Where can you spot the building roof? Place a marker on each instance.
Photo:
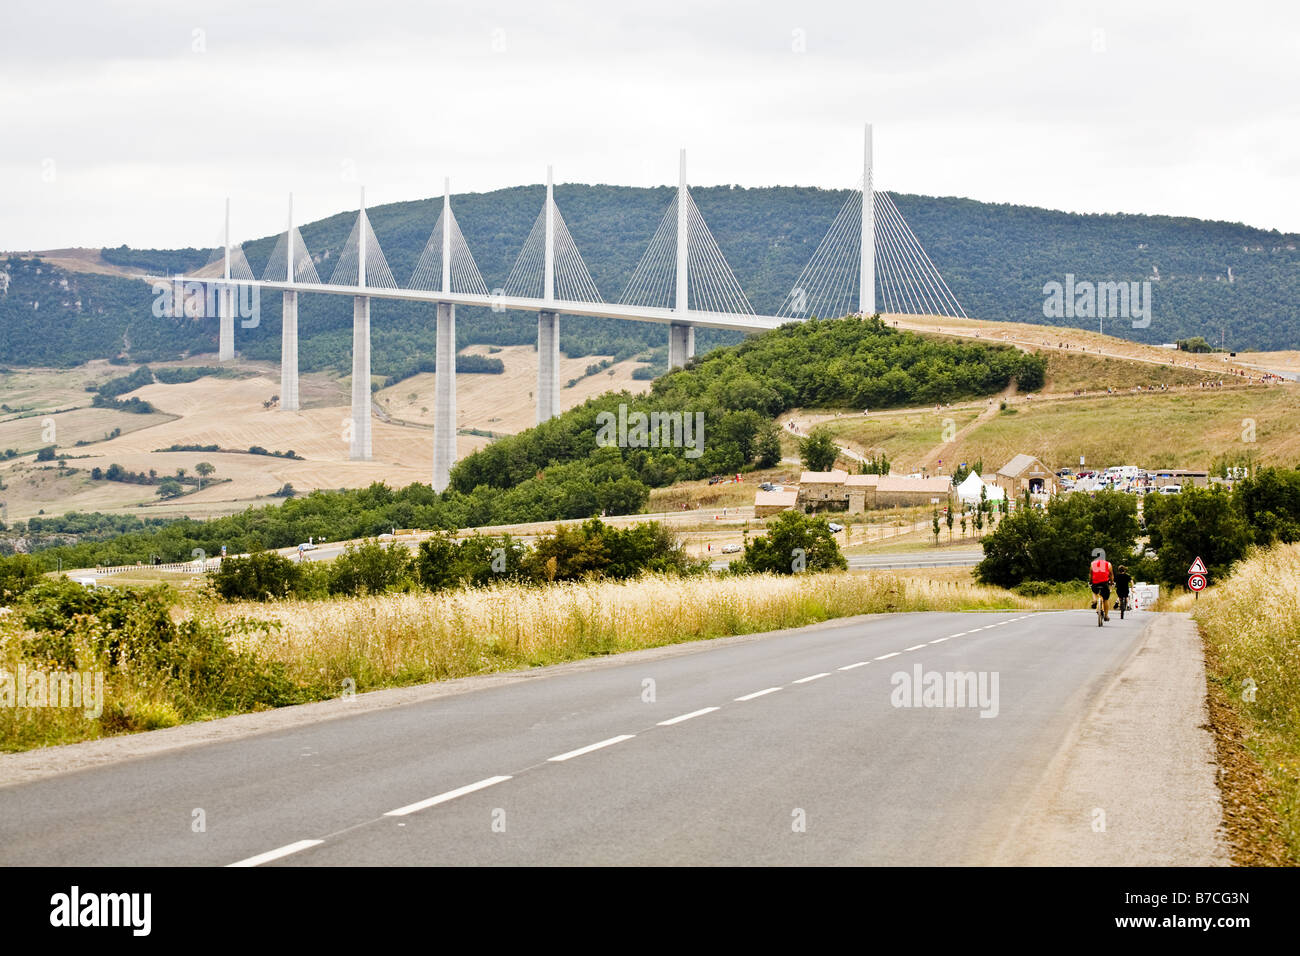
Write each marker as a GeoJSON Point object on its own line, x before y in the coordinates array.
{"type": "Point", "coordinates": [890, 483]}
{"type": "Point", "coordinates": [833, 477]}
{"type": "Point", "coordinates": [861, 481]}
{"type": "Point", "coordinates": [776, 499]}
{"type": "Point", "coordinates": [1016, 466]}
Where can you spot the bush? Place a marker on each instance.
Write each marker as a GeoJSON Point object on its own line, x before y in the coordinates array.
{"type": "Point", "coordinates": [261, 576]}
{"type": "Point", "coordinates": [794, 542]}
{"type": "Point", "coordinates": [18, 575]}
{"type": "Point", "coordinates": [1199, 522]}
{"type": "Point", "coordinates": [46, 453]}
{"type": "Point", "coordinates": [371, 568]}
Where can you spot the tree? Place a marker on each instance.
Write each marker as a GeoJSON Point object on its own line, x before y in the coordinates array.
{"type": "Point", "coordinates": [370, 568]}
{"type": "Point", "coordinates": [170, 488]}
{"type": "Point", "coordinates": [794, 542]}
{"type": "Point", "coordinates": [1270, 503]}
{"type": "Point", "coordinates": [180, 472]}
{"type": "Point", "coordinates": [45, 454]}
{"type": "Point", "coordinates": [261, 576]}
{"type": "Point", "coordinates": [818, 450]}
{"type": "Point", "coordinates": [767, 446]}
{"type": "Point", "coordinates": [948, 521]}
{"type": "Point", "coordinates": [1198, 522]}
{"type": "Point", "coordinates": [204, 469]}
{"type": "Point", "coordinates": [935, 525]}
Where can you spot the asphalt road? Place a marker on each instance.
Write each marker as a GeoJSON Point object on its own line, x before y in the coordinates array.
{"type": "Point", "coordinates": [777, 749]}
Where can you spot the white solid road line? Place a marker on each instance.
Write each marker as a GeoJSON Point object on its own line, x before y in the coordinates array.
{"type": "Point", "coordinates": [759, 693]}
{"type": "Point", "coordinates": [850, 667]}
{"type": "Point", "coordinates": [589, 748]}
{"type": "Point", "coordinates": [804, 680]}
{"type": "Point", "coordinates": [885, 657]}
{"type": "Point", "coordinates": [270, 855]}
{"type": "Point", "coordinates": [939, 640]}
{"type": "Point", "coordinates": [444, 797]}
{"type": "Point", "coordinates": [694, 713]}
{"type": "Point", "coordinates": [960, 634]}
{"type": "Point", "coordinates": [914, 647]}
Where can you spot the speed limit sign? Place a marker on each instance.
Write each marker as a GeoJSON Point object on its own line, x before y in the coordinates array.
{"type": "Point", "coordinates": [1196, 582]}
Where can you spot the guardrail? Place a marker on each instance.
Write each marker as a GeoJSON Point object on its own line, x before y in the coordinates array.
{"type": "Point", "coordinates": [196, 566]}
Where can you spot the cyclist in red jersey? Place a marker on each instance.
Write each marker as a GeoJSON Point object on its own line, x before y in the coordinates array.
{"type": "Point", "coordinates": [1101, 576]}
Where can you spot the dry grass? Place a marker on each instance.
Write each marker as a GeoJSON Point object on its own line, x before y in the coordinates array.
{"type": "Point", "coordinates": [1251, 627]}
{"type": "Point", "coordinates": [407, 638]}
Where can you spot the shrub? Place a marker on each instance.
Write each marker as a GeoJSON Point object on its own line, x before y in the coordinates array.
{"type": "Point", "coordinates": [370, 568]}
{"type": "Point", "coordinates": [261, 576]}
{"type": "Point", "coordinates": [794, 542]}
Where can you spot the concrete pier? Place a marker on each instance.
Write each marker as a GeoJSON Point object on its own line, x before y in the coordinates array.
{"type": "Point", "coordinates": [548, 366]}
{"type": "Point", "coordinates": [361, 378]}
{"type": "Point", "coordinates": [681, 344]}
{"type": "Point", "coordinates": [444, 399]}
{"type": "Point", "coordinates": [226, 313]}
{"type": "Point", "coordinates": [289, 354]}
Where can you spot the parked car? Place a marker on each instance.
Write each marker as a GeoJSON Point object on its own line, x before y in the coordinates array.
{"type": "Point", "coordinates": [730, 548]}
{"type": "Point", "coordinates": [767, 486]}
{"type": "Point", "coordinates": [835, 528]}
{"type": "Point", "coordinates": [306, 546]}
{"type": "Point", "coordinates": [1171, 489]}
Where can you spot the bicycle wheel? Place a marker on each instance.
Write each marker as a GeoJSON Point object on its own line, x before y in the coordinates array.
{"type": "Point", "coordinates": [1101, 612]}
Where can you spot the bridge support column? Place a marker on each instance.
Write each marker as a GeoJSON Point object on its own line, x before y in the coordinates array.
{"type": "Point", "coordinates": [681, 344]}
{"type": "Point", "coordinates": [289, 354]}
{"type": "Point", "coordinates": [360, 450]}
{"type": "Point", "coordinates": [444, 398]}
{"type": "Point", "coordinates": [226, 315]}
{"type": "Point", "coordinates": [548, 366]}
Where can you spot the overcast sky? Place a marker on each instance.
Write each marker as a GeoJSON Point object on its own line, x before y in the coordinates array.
{"type": "Point", "coordinates": [130, 121]}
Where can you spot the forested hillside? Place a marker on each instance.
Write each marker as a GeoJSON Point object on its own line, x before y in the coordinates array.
{"type": "Point", "coordinates": [996, 258]}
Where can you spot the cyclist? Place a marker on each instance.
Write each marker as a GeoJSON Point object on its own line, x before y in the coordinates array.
{"type": "Point", "coordinates": [1101, 575]}
{"type": "Point", "coordinates": [1122, 582]}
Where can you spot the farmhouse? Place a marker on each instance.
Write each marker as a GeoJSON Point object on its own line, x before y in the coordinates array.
{"type": "Point", "coordinates": [1025, 473]}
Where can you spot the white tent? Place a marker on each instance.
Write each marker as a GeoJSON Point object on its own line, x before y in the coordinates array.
{"type": "Point", "coordinates": [969, 490]}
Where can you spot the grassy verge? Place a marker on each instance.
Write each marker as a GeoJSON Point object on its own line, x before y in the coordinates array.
{"type": "Point", "coordinates": [1251, 627]}
{"type": "Point", "coordinates": [219, 659]}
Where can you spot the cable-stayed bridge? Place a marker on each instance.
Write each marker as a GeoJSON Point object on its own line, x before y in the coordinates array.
{"type": "Point", "coordinates": [868, 261]}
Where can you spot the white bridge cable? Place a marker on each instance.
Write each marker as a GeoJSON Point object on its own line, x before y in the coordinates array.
{"type": "Point", "coordinates": [711, 285]}
{"type": "Point", "coordinates": [304, 270]}
{"type": "Point", "coordinates": [928, 268]}
{"type": "Point", "coordinates": [907, 279]}
{"type": "Point", "coordinates": [464, 273]}
{"type": "Point", "coordinates": [346, 272]}
{"type": "Point", "coordinates": [239, 267]}
{"type": "Point", "coordinates": [527, 279]}
{"type": "Point", "coordinates": [654, 278]}
{"type": "Point", "coordinates": [719, 291]}
{"type": "Point", "coordinates": [827, 284]}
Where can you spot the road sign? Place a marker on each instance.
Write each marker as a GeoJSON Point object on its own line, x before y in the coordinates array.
{"type": "Point", "coordinates": [1198, 566]}
{"type": "Point", "coordinates": [1196, 582]}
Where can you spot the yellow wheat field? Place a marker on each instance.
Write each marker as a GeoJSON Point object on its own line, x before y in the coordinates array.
{"type": "Point", "coordinates": [404, 638]}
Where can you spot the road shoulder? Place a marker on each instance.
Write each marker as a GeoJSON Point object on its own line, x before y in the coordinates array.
{"type": "Point", "coordinates": [1134, 784]}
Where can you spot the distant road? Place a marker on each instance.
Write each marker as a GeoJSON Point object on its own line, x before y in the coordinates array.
{"type": "Point", "coordinates": [789, 748]}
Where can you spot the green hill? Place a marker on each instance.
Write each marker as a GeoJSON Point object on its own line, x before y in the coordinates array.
{"type": "Point", "coordinates": [996, 258]}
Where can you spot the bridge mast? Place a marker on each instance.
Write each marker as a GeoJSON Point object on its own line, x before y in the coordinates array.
{"type": "Point", "coordinates": [226, 304]}
{"type": "Point", "coordinates": [444, 364]}
{"type": "Point", "coordinates": [289, 327]}
{"type": "Point", "coordinates": [681, 337]}
{"type": "Point", "coordinates": [548, 322]}
{"type": "Point", "coordinates": [867, 269]}
{"type": "Point", "coordinates": [360, 449]}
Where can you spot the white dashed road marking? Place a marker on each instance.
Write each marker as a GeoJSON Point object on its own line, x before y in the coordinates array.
{"type": "Point", "coordinates": [885, 657]}
{"type": "Point", "coordinates": [804, 680]}
{"type": "Point", "coordinates": [850, 667]}
{"type": "Point", "coordinates": [270, 855]}
{"type": "Point", "coordinates": [590, 747]}
{"type": "Point", "coordinates": [444, 797]}
{"type": "Point", "coordinates": [694, 713]}
{"type": "Point", "coordinates": [759, 693]}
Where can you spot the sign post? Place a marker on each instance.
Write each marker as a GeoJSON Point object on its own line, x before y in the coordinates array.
{"type": "Point", "coordinates": [1197, 577]}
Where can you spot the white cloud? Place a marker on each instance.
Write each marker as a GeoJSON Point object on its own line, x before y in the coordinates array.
{"type": "Point", "coordinates": [1189, 108]}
